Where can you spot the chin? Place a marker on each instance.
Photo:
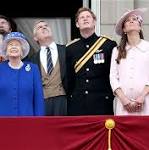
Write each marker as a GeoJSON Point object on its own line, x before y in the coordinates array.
{"type": "Point", "coordinates": [14, 56]}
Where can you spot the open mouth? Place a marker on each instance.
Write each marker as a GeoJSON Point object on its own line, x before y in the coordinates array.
{"type": "Point", "coordinates": [45, 29]}
{"type": "Point", "coordinates": [2, 31]}
{"type": "Point", "coordinates": [14, 50]}
{"type": "Point", "coordinates": [86, 22]}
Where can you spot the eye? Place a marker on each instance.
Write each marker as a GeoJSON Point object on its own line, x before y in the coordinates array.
{"type": "Point", "coordinates": [127, 20]}
{"type": "Point", "coordinates": [82, 17]}
{"type": "Point", "coordinates": [39, 27]}
{"type": "Point", "coordinates": [134, 19]}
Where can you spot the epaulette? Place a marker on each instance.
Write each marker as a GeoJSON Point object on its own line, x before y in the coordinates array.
{"type": "Point", "coordinates": [107, 37]}
{"type": "Point", "coordinates": [73, 41]}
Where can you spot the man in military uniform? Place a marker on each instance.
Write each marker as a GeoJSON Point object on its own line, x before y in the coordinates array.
{"type": "Point", "coordinates": [88, 65]}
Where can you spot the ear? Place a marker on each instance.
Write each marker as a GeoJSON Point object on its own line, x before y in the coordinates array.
{"type": "Point", "coordinates": [35, 39]}
{"type": "Point", "coordinates": [77, 25]}
{"type": "Point", "coordinates": [94, 22]}
{"type": "Point", "coordinates": [21, 53]}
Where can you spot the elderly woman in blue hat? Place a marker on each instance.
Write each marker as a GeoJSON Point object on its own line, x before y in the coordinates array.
{"type": "Point", "coordinates": [129, 73]}
{"type": "Point", "coordinates": [21, 91]}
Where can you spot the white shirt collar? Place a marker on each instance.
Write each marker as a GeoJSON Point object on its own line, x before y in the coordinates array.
{"type": "Point", "coordinates": [52, 46]}
{"type": "Point", "coordinates": [43, 54]}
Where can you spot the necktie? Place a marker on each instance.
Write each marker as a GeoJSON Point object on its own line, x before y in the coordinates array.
{"type": "Point", "coordinates": [49, 61]}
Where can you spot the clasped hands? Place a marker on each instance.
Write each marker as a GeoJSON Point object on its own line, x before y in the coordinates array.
{"type": "Point", "coordinates": [135, 105]}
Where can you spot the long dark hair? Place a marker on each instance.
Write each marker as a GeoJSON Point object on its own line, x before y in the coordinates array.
{"type": "Point", "coordinates": [121, 48]}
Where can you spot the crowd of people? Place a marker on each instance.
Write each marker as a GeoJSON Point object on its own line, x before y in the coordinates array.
{"type": "Point", "coordinates": [91, 75]}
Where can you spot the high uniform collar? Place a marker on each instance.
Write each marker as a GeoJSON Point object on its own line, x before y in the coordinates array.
{"type": "Point", "coordinates": [90, 39]}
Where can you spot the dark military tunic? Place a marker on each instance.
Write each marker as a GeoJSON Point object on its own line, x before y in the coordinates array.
{"type": "Point", "coordinates": [89, 91]}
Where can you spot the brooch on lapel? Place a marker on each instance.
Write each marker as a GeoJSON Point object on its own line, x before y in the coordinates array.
{"type": "Point", "coordinates": [28, 67]}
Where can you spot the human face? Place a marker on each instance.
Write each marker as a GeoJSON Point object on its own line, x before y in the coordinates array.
{"type": "Point", "coordinates": [85, 21]}
{"type": "Point", "coordinates": [42, 31]}
{"type": "Point", "coordinates": [4, 26]}
{"type": "Point", "coordinates": [132, 24]}
{"type": "Point", "coordinates": [14, 49]}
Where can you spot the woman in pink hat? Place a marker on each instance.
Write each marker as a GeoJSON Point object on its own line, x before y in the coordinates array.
{"type": "Point", "coordinates": [129, 73]}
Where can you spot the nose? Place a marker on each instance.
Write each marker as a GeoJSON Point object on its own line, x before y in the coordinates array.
{"type": "Point", "coordinates": [86, 18]}
{"type": "Point", "coordinates": [132, 20]}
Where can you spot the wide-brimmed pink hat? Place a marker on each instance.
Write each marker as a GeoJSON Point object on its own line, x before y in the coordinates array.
{"type": "Point", "coordinates": [138, 12]}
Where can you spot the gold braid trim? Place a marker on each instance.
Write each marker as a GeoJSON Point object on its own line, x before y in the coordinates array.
{"type": "Point", "coordinates": [80, 63]}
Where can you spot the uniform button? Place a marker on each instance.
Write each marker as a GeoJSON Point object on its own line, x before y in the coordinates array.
{"type": "Point", "coordinates": [87, 69]}
{"type": "Point", "coordinates": [86, 92]}
{"type": "Point", "coordinates": [87, 80]}
{"type": "Point", "coordinates": [106, 97]}
{"type": "Point", "coordinates": [131, 89]}
{"type": "Point", "coordinates": [87, 46]}
{"type": "Point", "coordinates": [131, 77]}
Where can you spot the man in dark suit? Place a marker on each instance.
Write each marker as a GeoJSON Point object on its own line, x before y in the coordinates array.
{"type": "Point", "coordinates": [53, 72]}
{"type": "Point", "coordinates": [88, 66]}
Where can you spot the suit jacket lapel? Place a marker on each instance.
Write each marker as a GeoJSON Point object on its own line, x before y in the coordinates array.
{"type": "Point", "coordinates": [61, 55]}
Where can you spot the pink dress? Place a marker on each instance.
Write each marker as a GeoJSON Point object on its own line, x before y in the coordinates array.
{"type": "Point", "coordinates": [131, 75]}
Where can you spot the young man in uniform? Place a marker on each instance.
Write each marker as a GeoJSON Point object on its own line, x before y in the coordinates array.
{"type": "Point", "coordinates": [88, 64]}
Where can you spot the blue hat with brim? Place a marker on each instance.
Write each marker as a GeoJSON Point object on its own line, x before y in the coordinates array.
{"type": "Point", "coordinates": [16, 36]}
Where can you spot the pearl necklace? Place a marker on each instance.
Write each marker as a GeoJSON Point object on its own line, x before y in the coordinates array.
{"type": "Point", "coordinates": [15, 67]}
